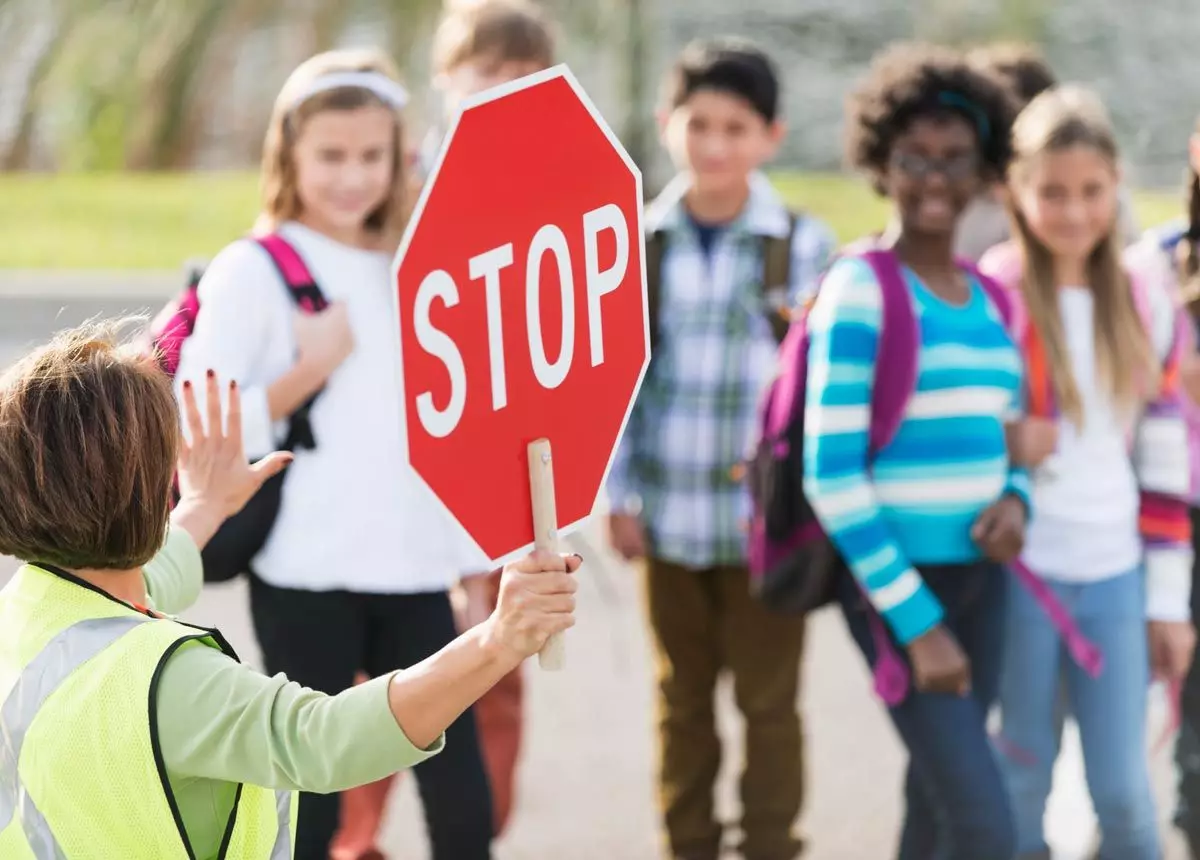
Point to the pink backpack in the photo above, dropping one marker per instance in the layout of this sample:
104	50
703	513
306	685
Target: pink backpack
175	323
232	549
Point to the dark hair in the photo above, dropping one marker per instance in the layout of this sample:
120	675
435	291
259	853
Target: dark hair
89	436
1189	252
1021	67
913	80
729	65
492	31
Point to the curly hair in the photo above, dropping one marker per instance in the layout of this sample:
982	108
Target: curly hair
914	80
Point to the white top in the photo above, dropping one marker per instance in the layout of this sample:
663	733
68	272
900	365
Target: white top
354	515
1085	496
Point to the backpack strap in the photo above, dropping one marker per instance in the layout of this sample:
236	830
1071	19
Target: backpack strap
777	278
303	289
656	246
896	355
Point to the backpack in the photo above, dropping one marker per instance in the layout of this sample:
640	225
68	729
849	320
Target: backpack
240	538
793	565
776	252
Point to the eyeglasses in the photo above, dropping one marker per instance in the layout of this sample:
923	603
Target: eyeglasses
956	168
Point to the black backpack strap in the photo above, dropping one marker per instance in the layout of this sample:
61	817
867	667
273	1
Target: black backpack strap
303	289
777	278
656	247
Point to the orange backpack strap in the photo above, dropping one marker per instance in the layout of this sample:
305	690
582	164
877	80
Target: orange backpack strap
1037	370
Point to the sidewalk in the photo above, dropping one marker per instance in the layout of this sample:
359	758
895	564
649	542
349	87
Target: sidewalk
65	284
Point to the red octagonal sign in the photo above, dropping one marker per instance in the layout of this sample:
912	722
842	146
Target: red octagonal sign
522	306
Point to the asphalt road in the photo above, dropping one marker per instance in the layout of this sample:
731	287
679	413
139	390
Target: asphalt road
587	779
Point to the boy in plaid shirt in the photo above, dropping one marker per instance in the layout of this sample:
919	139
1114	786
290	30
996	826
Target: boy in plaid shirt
677	500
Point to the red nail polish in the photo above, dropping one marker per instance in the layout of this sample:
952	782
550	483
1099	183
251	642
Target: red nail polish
211	374
232	384
187	383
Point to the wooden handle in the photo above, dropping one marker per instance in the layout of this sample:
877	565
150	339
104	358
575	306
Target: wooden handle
553	656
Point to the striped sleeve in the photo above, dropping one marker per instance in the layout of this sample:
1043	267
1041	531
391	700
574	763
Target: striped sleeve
844	330
1161	460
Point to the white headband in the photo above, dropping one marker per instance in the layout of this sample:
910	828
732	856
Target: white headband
375	82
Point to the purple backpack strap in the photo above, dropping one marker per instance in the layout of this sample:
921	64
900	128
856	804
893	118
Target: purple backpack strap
896	356
895	382
292	268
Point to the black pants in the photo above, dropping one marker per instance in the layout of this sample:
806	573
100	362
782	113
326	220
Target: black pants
1187	746
320	640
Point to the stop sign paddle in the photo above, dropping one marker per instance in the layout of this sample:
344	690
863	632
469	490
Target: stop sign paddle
523	316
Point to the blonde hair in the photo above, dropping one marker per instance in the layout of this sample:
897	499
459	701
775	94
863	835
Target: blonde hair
280	201
1062	118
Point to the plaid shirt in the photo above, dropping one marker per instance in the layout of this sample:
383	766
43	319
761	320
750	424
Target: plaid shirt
697	412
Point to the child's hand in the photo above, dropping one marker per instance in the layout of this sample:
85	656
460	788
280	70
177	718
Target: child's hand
1031	441
324	340
1000	530
939	663
627	536
1171	646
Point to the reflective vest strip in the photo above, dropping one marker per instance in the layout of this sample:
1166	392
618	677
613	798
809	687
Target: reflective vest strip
283	839
62	655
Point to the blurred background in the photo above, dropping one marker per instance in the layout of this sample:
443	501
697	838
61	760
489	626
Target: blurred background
89	88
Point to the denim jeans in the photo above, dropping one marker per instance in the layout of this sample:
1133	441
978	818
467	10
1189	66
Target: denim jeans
1110	711
957	806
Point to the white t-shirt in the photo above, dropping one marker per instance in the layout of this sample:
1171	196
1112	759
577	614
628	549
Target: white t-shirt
1085	496
354	515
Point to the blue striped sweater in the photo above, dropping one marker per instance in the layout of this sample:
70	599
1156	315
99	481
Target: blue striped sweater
916	503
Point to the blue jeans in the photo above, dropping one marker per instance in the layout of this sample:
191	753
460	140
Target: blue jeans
957	806
1110	711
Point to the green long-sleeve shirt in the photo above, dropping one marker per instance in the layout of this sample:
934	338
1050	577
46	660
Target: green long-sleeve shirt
221	723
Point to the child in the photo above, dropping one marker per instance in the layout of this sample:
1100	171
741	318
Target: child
127	733
926	525
478	45
1026	73
1171	255
1095	348
481	44
363	583
676	500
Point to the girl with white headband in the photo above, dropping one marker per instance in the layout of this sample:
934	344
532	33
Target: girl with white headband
356	571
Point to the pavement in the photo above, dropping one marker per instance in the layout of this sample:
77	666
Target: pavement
586	783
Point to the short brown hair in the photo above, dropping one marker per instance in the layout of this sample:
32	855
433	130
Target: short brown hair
1021	67
89	437
280	201
492	31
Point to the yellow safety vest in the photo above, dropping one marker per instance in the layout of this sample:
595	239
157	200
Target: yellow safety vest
81	770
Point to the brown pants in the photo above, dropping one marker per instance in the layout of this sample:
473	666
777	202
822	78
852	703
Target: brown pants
704	621
498	715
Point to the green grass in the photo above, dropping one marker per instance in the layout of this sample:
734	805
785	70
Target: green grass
140	221
121	221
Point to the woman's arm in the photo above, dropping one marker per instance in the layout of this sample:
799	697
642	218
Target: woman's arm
218	719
